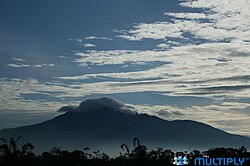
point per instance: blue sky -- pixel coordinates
(174, 59)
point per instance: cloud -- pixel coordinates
(89, 45)
(97, 38)
(226, 88)
(79, 40)
(187, 15)
(188, 68)
(158, 30)
(12, 90)
(177, 29)
(43, 65)
(98, 104)
(221, 20)
(50, 65)
(163, 46)
(168, 114)
(28, 66)
(38, 66)
(18, 59)
(91, 37)
(18, 65)
(115, 57)
(14, 65)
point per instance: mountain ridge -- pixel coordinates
(106, 129)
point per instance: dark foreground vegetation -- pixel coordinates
(11, 154)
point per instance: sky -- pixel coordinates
(173, 59)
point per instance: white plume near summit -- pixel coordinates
(99, 104)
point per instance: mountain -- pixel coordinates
(110, 123)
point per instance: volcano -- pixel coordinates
(105, 123)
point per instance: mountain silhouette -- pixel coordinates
(110, 123)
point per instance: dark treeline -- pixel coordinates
(14, 152)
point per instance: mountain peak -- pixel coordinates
(98, 104)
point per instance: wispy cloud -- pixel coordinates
(89, 45)
(18, 59)
(97, 38)
(12, 65)
(190, 16)
(189, 68)
(221, 21)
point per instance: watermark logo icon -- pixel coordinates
(180, 160)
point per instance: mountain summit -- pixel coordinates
(99, 104)
(104, 125)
